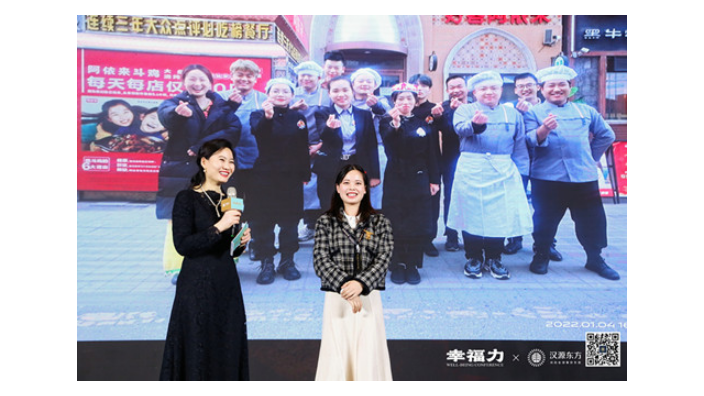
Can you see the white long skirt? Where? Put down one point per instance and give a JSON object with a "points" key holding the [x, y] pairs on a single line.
{"points": [[353, 346], [488, 198]]}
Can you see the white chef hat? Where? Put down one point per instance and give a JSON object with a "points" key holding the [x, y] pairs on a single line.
{"points": [[284, 81], [483, 77], [377, 77], [309, 67], [555, 73]]}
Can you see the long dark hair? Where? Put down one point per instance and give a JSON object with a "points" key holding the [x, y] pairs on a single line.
{"points": [[336, 204], [206, 151]]}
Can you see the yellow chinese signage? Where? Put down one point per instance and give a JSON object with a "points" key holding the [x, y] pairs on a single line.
{"points": [[180, 27], [286, 44]]}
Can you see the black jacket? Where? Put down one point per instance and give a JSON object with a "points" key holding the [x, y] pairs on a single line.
{"points": [[412, 151], [282, 142], [367, 152], [275, 189], [189, 133]]}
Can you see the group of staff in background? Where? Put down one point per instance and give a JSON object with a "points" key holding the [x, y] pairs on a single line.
{"points": [[378, 165], [343, 119]]}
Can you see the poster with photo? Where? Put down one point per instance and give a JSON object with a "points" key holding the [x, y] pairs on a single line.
{"points": [[120, 137]]}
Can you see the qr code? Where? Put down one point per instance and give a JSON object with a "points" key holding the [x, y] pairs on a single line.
{"points": [[603, 350]]}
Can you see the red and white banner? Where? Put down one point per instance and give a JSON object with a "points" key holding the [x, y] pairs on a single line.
{"points": [[132, 82]]}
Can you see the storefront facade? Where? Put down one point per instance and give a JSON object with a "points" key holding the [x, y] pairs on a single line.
{"points": [[441, 46], [138, 60], [399, 46], [597, 48], [598, 51]]}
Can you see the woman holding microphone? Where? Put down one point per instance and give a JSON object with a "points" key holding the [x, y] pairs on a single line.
{"points": [[207, 333]]}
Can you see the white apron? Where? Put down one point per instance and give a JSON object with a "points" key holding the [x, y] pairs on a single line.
{"points": [[353, 346], [488, 198]]}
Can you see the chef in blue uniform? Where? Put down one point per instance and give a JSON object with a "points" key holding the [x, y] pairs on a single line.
{"points": [[567, 140], [488, 200]]}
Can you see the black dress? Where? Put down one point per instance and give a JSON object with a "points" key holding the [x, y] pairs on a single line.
{"points": [[412, 166], [207, 333]]}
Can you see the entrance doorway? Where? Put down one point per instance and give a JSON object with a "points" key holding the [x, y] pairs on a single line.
{"points": [[392, 45], [389, 64]]}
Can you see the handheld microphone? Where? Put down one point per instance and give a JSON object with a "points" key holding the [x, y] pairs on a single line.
{"points": [[230, 203]]}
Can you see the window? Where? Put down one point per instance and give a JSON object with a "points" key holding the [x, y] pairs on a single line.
{"points": [[616, 88]]}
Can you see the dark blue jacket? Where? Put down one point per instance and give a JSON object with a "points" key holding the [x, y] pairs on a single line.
{"points": [[366, 146]]}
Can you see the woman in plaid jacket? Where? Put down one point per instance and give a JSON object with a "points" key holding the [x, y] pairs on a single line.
{"points": [[353, 247]]}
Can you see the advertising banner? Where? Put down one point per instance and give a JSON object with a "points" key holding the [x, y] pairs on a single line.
{"points": [[120, 138]]}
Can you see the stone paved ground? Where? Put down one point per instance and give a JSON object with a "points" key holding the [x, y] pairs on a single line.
{"points": [[122, 292]]}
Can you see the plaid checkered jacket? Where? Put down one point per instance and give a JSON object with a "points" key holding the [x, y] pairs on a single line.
{"points": [[334, 252]]}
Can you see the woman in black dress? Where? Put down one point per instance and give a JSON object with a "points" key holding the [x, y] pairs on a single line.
{"points": [[411, 178], [207, 333]]}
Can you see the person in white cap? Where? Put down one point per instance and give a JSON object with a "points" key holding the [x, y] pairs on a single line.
{"points": [[526, 88], [567, 139], [244, 99], [411, 178], [365, 86], [365, 82], [488, 201], [309, 97]]}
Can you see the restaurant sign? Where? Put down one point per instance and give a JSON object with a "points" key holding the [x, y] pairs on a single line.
{"points": [[178, 27]]}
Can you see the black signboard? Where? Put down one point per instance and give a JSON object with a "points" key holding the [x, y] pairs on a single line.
{"points": [[600, 32]]}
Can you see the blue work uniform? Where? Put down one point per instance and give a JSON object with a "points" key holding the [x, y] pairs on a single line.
{"points": [[564, 173]]}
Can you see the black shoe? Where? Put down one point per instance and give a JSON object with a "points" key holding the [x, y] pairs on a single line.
{"points": [[473, 268], [287, 268], [554, 254], [452, 244], [412, 275], [398, 274], [602, 269], [267, 275], [513, 245], [430, 250], [539, 265]]}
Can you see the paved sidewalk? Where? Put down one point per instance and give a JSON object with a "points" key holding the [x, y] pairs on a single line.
{"points": [[123, 293]]}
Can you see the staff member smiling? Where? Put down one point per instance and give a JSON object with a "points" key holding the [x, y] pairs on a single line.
{"points": [[348, 137], [279, 173], [207, 332], [567, 140], [411, 178], [488, 201]]}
